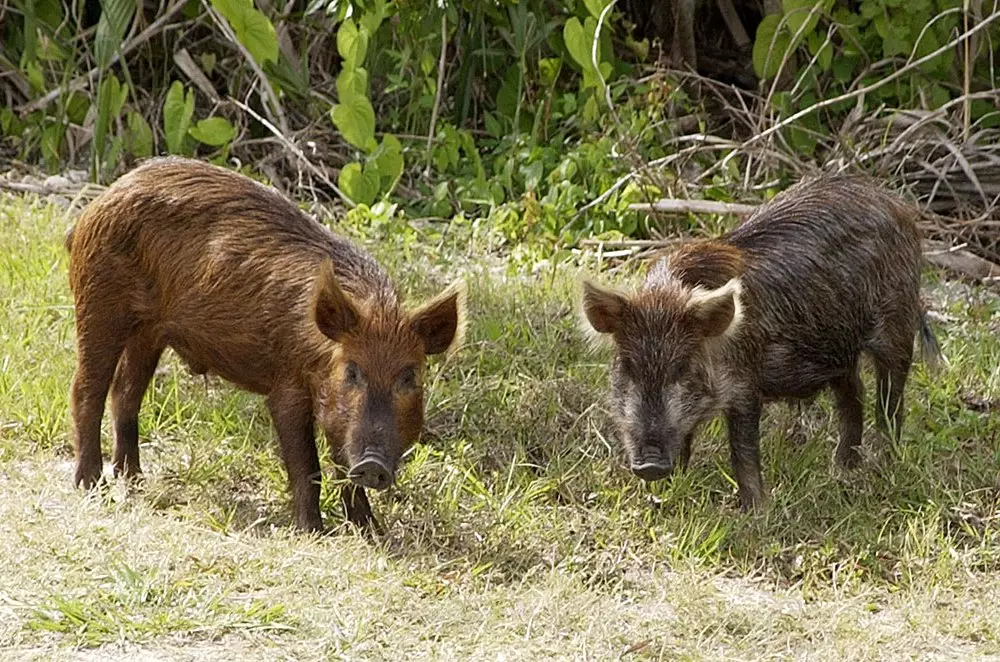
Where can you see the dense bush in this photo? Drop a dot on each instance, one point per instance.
(533, 108)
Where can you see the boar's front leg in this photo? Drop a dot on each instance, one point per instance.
(291, 412)
(743, 420)
(849, 395)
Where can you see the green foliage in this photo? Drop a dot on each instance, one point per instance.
(252, 28)
(178, 109)
(138, 135)
(116, 16)
(523, 134)
(825, 49)
(110, 100)
(214, 131)
(518, 506)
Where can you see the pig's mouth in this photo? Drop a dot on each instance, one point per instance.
(372, 470)
(649, 464)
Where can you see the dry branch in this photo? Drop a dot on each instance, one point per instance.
(675, 206)
(962, 262)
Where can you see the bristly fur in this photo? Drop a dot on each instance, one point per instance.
(239, 282)
(786, 304)
(708, 263)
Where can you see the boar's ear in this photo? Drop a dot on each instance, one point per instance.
(603, 308)
(716, 312)
(333, 311)
(440, 322)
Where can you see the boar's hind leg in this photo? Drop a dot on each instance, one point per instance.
(101, 337)
(744, 446)
(849, 395)
(291, 412)
(135, 370)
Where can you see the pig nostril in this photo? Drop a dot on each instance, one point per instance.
(650, 471)
(371, 472)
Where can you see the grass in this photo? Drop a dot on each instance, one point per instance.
(514, 531)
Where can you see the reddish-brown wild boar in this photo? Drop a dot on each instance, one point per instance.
(241, 283)
(781, 307)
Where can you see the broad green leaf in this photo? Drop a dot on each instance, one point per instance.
(507, 96)
(357, 185)
(352, 83)
(177, 112)
(769, 47)
(895, 36)
(939, 96)
(354, 117)
(113, 153)
(138, 135)
(373, 16)
(118, 100)
(49, 12)
(116, 16)
(388, 160)
(548, 70)
(77, 105)
(352, 43)
(30, 32)
(252, 28)
(52, 50)
(937, 66)
(214, 131)
(797, 14)
(843, 68)
(818, 44)
(107, 98)
(6, 120)
(52, 139)
(595, 7)
(493, 127)
(577, 43)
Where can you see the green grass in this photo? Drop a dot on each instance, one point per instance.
(514, 531)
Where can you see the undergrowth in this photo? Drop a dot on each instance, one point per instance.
(517, 497)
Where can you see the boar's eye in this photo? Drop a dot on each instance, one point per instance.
(407, 380)
(353, 376)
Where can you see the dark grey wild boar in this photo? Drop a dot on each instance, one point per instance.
(241, 283)
(781, 307)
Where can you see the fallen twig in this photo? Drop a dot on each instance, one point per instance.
(51, 189)
(675, 206)
(961, 262)
(629, 243)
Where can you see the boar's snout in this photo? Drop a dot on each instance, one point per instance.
(651, 464)
(372, 470)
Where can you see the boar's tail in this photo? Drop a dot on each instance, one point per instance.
(68, 242)
(930, 350)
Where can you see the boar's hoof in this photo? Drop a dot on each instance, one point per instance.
(650, 471)
(87, 475)
(371, 472)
